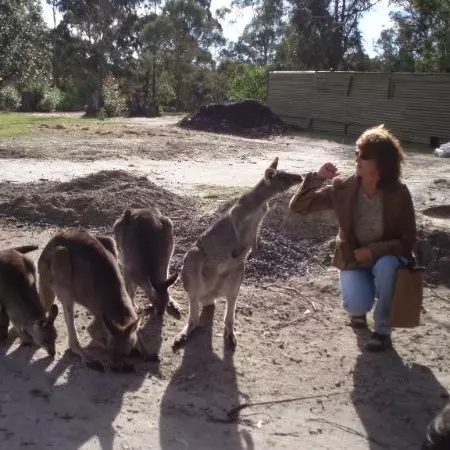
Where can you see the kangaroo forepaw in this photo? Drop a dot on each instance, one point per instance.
(87, 360)
(174, 309)
(180, 341)
(230, 339)
(94, 365)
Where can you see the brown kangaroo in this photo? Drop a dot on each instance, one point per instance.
(20, 303)
(145, 241)
(78, 268)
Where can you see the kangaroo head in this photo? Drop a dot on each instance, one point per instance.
(161, 293)
(43, 331)
(279, 180)
(122, 339)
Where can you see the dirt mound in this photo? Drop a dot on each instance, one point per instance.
(433, 252)
(243, 117)
(92, 201)
(290, 244)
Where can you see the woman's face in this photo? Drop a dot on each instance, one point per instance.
(366, 167)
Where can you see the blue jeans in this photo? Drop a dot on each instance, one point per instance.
(359, 287)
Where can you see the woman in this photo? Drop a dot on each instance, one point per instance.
(377, 227)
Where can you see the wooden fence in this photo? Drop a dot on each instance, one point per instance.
(416, 107)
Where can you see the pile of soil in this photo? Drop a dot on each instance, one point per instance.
(242, 117)
(290, 244)
(433, 252)
(96, 200)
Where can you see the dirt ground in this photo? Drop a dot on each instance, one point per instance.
(293, 342)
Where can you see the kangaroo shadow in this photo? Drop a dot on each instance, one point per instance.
(61, 404)
(198, 396)
(395, 401)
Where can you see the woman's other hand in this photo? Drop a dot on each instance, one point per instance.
(363, 254)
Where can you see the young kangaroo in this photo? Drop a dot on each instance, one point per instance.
(145, 241)
(78, 268)
(214, 266)
(20, 303)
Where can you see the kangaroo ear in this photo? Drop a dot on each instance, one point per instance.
(274, 163)
(52, 314)
(127, 215)
(270, 173)
(171, 280)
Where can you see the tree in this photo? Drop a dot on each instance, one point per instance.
(395, 51)
(25, 52)
(101, 32)
(191, 35)
(261, 37)
(423, 26)
(321, 34)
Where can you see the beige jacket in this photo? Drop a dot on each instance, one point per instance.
(399, 222)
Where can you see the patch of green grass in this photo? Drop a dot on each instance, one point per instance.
(20, 124)
(209, 194)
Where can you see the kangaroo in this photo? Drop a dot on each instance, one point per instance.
(109, 244)
(214, 265)
(78, 268)
(20, 303)
(145, 242)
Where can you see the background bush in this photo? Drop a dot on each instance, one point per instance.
(114, 101)
(9, 99)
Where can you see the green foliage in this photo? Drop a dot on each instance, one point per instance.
(50, 100)
(101, 114)
(251, 84)
(25, 52)
(419, 39)
(114, 101)
(41, 96)
(9, 99)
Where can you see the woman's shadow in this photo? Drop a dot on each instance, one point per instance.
(394, 401)
(198, 397)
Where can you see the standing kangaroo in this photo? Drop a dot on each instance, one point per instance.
(20, 303)
(214, 265)
(79, 268)
(145, 241)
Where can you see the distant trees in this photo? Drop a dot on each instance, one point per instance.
(146, 55)
(25, 50)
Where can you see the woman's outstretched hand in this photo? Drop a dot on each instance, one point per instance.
(328, 171)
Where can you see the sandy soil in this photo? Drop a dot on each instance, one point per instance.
(292, 339)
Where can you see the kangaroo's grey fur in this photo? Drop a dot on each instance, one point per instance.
(78, 268)
(20, 303)
(145, 241)
(214, 266)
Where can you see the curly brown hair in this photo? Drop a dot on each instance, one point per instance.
(379, 144)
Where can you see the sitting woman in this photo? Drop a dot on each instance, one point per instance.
(377, 227)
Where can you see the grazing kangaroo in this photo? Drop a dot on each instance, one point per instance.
(214, 266)
(20, 303)
(78, 268)
(145, 242)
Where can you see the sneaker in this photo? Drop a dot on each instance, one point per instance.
(358, 322)
(379, 343)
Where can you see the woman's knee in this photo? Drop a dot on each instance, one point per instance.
(357, 291)
(386, 265)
